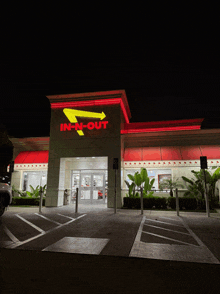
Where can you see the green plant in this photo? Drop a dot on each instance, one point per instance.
(148, 202)
(21, 193)
(142, 182)
(131, 190)
(196, 187)
(36, 192)
(171, 185)
(32, 201)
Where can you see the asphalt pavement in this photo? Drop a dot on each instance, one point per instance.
(59, 251)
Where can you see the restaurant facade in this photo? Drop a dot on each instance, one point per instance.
(93, 147)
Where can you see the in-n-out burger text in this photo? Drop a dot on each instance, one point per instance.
(80, 126)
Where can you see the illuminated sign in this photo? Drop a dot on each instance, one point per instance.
(71, 114)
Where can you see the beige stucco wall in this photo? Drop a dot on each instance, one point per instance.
(103, 142)
(16, 180)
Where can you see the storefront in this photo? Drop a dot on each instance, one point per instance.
(89, 130)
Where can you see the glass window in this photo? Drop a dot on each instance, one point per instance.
(157, 174)
(34, 178)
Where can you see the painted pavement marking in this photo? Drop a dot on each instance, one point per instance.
(16, 244)
(65, 216)
(32, 225)
(10, 235)
(163, 222)
(166, 229)
(78, 245)
(186, 253)
(48, 219)
(167, 238)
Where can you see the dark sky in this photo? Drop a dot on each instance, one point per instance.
(163, 80)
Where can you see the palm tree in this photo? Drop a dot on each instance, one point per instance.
(171, 185)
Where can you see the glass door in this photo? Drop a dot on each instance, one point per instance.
(92, 186)
(98, 188)
(85, 189)
(75, 180)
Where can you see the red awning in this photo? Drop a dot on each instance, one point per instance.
(171, 153)
(32, 157)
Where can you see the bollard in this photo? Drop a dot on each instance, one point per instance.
(41, 199)
(206, 197)
(142, 204)
(177, 203)
(115, 201)
(77, 192)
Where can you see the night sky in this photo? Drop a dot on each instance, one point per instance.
(163, 80)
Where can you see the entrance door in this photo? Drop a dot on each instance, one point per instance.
(85, 188)
(91, 187)
(98, 188)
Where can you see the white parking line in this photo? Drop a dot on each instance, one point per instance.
(42, 233)
(48, 219)
(138, 236)
(32, 225)
(153, 220)
(166, 229)
(65, 216)
(198, 240)
(10, 235)
(193, 234)
(160, 236)
(168, 218)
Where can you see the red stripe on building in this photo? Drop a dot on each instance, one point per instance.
(151, 153)
(171, 153)
(32, 157)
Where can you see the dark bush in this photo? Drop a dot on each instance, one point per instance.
(160, 202)
(189, 203)
(171, 201)
(33, 201)
(132, 202)
(214, 203)
(148, 202)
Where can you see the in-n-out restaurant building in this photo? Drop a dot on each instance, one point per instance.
(89, 130)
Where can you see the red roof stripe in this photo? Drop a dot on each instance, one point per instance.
(21, 157)
(32, 157)
(212, 152)
(171, 153)
(151, 153)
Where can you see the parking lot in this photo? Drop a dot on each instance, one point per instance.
(97, 230)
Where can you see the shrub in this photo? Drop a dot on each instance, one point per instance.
(132, 202)
(189, 203)
(148, 202)
(171, 201)
(27, 201)
(160, 202)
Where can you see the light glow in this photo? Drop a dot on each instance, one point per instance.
(71, 115)
(182, 128)
(97, 102)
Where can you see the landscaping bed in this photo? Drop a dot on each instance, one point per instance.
(185, 203)
(26, 201)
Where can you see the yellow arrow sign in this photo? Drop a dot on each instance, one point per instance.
(72, 113)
